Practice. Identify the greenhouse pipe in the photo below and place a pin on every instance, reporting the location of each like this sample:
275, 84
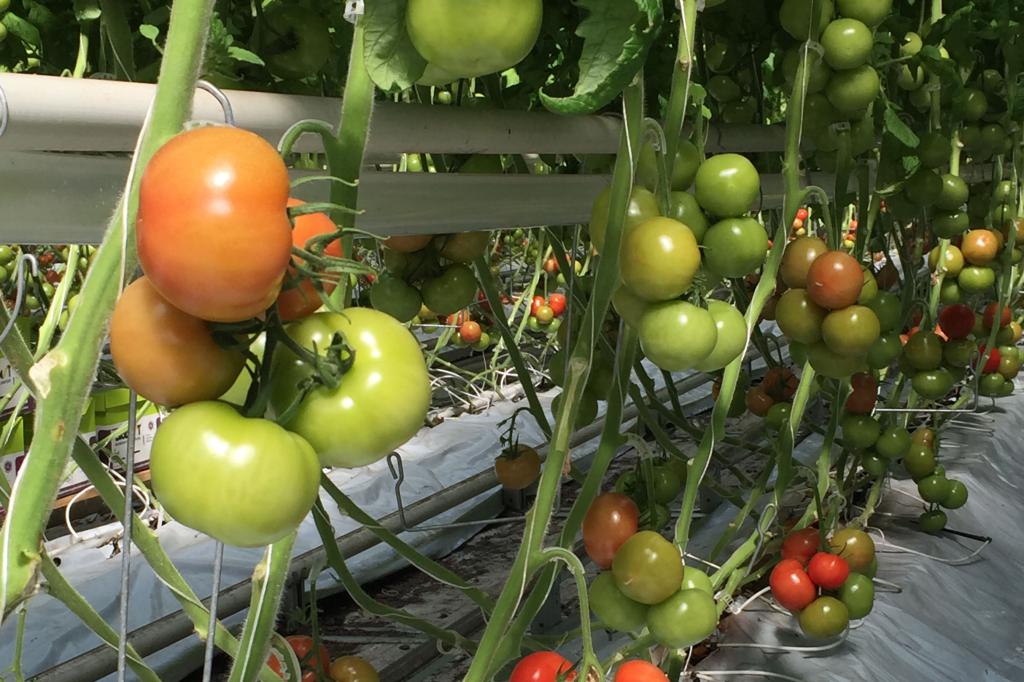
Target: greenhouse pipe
163, 632
93, 115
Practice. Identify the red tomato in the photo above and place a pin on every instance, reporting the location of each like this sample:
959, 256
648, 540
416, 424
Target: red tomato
801, 214
542, 666
470, 331
612, 519
864, 395
834, 280
801, 545
957, 320
557, 303
536, 303
298, 297
992, 364
989, 315
213, 229
791, 586
828, 571
551, 265
311, 664
639, 671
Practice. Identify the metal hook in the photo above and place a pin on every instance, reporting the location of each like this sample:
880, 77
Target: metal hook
222, 100
19, 296
763, 523
398, 473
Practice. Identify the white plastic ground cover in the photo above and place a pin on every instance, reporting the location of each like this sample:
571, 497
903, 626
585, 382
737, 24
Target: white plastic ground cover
950, 622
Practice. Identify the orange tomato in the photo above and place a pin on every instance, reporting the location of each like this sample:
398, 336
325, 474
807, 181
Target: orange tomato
980, 247
299, 297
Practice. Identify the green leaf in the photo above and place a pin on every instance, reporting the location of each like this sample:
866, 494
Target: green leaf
240, 54
87, 10
150, 33
945, 68
391, 60
21, 29
895, 126
617, 35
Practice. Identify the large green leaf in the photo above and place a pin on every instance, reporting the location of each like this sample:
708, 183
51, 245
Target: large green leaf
616, 37
391, 60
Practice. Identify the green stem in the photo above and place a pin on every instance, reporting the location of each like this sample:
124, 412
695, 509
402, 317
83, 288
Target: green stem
590, 665
682, 73
119, 32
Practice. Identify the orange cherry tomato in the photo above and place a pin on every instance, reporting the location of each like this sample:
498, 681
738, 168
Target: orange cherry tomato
611, 519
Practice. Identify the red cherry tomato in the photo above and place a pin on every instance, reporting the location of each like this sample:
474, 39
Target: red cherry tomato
801, 214
551, 265
611, 519
828, 571
470, 331
536, 303
989, 315
801, 545
791, 586
557, 304
864, 395
302, 645
992, 364
639, 671
542, 666
957, 320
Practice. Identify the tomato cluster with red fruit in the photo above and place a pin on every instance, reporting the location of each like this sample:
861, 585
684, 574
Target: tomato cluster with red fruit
546, 313
315, 663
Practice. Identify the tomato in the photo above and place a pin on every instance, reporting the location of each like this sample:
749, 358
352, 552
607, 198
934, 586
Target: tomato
947, 224
932, 521
642, 206
980, 247
409, 243
544, 314
860, 431
893, 442
300, 43
871, 12
989, 315
858, 594
975, 279
378, 404
933, 488
735, 247
798, 317
797, 259
299, 297
956, 495
818, 74
919, 461
827, 570
615, 610
542, 666
166, 355
791, 586
958, 352
206, 453
454, 289
831, 364
801, 545
696, 579
952, 261
853, 90
804, 20
778, 415
923, 350
311, 663
731, 339
727, 185
824, 618
991, 385
954, 193
648, 568
851, 330
992, 363
213, 230
972, 104
847, 43
517, 468
469, 39
875, 466
1009, 364
683, 207
465, 247
557, 304
639, 671
864, 394
957, 321
659, 259
834, 280
587, 408
855, 546
869, 290
933, 384
758, 401
683, 619
393, 296
676, 335
536, 303
611, 519
353, 669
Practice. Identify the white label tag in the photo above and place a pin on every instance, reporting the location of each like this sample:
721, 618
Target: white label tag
353, 10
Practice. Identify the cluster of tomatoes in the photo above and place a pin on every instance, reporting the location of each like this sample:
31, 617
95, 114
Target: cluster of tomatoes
216, 195
471, 330
316, 663
771, 397
546, 313
969, 262
653, 489
53, 263
826, 587
549, 666
827, 306
643, 582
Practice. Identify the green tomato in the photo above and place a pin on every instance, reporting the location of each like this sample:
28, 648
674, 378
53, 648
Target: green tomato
642, 206
586, 411
615, 610
972, 104
7, 254
932, 384
629, 306
949, 224
923, 188
659, 259
301, 42
666, 483
893, 442
847, 43
976, 279
731, 339
955, 193
683, 619
245, 482
875, 466
932, 521
933, 488
677, 335
860, 431
647, 568
451, 291
824, 618
851, 330
696, 579
858, 594
950, 292
470, 38
888, 310
958, 352
799, 317
726, 185
683, 207
991, 384
817, 75
833, 365
956, 496
919, 461
377, 405
871, 12
683, 170
923, 350
869, 290
735, 247
934, 149
723, 89
853, 90
805, 19
778, 415
396, 298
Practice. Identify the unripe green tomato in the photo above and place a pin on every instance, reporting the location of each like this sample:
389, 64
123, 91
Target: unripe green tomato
684, 619
874, 465
824, 618
893, 442
933, 488
919, 461
613, 609
847, 43
858, 594
932, 521
956, 496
